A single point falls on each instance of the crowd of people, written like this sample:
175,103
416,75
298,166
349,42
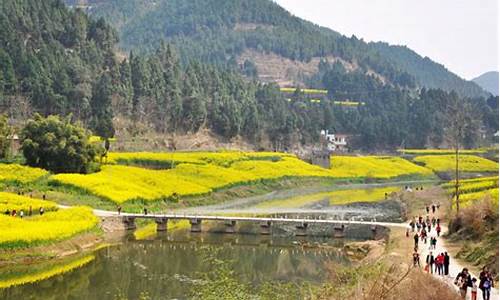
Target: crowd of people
439,264
20,213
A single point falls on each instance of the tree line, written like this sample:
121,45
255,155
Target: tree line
60,61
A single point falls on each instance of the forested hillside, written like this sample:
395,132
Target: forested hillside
488,81
55,60
50,57
218,32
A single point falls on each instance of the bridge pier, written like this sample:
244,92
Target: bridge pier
230,226
161,224
195,225
265,227
301,229
338,231
129,223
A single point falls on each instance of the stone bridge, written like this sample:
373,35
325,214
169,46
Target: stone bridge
264,223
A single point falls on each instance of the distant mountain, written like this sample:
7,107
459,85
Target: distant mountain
263,37
488,81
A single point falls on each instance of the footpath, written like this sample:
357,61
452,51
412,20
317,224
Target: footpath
455,266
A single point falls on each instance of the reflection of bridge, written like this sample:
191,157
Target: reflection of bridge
265,223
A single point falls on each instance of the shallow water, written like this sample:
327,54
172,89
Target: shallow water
172,265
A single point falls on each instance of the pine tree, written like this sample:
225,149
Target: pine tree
102,114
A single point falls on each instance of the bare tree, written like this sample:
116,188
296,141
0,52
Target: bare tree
461,120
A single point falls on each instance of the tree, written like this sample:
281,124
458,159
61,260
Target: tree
5,135
7,70
460,122
57,145
102,113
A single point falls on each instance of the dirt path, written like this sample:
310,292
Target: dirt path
455,266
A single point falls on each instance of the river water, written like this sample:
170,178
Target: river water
175,265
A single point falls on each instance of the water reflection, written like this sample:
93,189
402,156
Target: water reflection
170,265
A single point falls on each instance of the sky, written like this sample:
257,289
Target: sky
460,34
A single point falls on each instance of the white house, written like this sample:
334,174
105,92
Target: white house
335,142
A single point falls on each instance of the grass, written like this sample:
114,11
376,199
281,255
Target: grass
475,230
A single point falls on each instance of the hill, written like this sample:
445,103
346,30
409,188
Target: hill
232,32
488,81
56,60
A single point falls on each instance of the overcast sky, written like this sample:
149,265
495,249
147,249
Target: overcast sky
461,34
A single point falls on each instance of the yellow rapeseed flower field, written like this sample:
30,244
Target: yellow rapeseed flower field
467,163
197,173
374,167
469,198
474,189
442,151
223,158
9,201
22,174
122,183
473,185
52,226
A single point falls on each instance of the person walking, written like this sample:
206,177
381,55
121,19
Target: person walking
30,211
412,225
446,264
21,213
438,229
485,283
433,208
430,262
145,211
427,208
415,238
41,211
463,281
473,290
436,264
440,264
416,259
119,209
423,235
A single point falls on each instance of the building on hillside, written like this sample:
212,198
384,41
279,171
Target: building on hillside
335,142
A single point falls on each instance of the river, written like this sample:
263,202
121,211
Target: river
176,265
